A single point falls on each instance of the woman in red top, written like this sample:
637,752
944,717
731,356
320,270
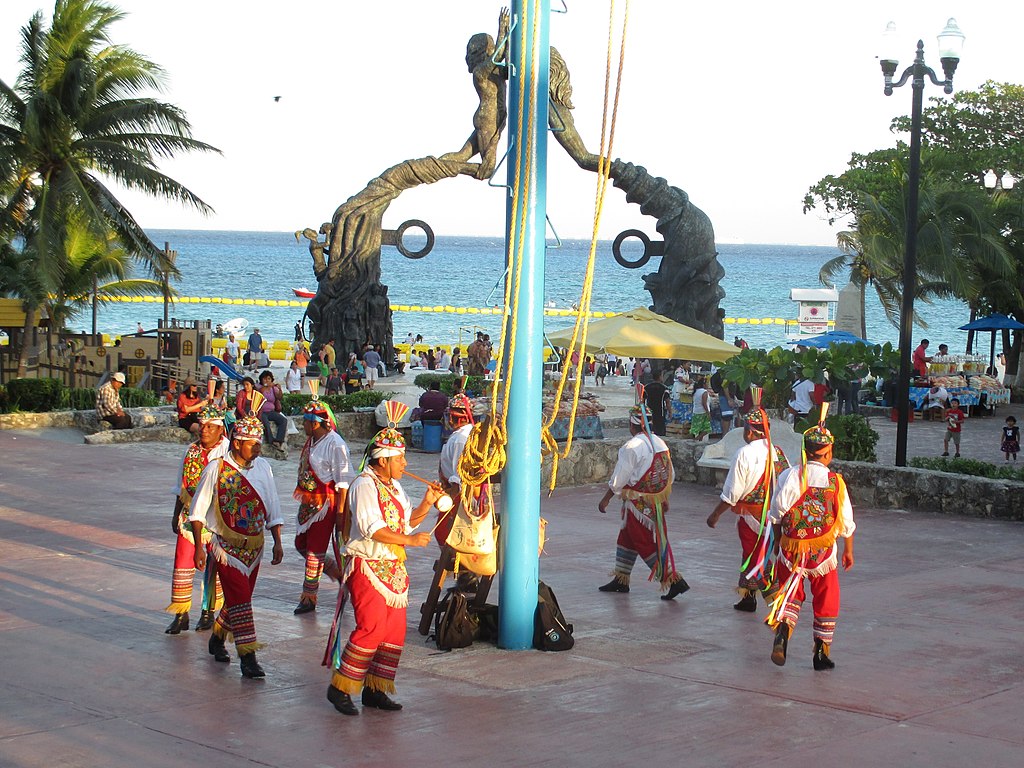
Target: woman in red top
189,405
244,397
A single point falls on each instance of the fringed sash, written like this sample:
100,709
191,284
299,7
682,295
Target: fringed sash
389,577
647,496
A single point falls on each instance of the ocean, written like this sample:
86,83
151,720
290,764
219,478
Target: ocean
468,272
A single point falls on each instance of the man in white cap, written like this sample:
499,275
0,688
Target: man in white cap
211,446
643,477
108,403
236,499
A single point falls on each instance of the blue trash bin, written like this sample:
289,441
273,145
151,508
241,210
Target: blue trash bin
432,436
417,434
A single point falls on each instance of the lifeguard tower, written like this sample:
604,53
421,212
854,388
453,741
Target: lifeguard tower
815,312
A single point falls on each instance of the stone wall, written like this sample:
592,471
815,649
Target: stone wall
591,461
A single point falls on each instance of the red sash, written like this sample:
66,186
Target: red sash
653,487
753,502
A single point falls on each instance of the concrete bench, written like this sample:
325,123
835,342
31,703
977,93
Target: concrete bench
721,454
90,423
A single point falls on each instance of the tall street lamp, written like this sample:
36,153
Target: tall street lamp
951,41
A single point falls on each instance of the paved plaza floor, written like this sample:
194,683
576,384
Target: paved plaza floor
929,667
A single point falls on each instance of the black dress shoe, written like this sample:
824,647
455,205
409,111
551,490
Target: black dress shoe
614,586
217,649
821,660
304,606
250,667
205,621
676,589
341,701
180,622
747,603
781,644
379,700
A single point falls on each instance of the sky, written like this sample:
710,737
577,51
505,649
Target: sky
744,105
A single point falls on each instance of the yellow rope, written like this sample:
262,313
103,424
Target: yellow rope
485,449
578,341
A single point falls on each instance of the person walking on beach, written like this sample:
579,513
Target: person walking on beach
232,349
643,477
254,346
700,421
748,491
211,446
377,528
954,425
810,511
236,499
325,473
371,363
1010,445
656,397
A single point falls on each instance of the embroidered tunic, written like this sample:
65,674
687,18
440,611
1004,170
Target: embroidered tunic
643,476
376,505
324,467
237,505
192,465
744,487
812,520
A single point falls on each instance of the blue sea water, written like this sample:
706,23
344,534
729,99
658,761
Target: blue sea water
468,272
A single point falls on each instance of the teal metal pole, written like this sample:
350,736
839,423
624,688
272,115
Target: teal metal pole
520,487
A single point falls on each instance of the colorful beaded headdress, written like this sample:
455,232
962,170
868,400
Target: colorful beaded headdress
318,410
211,414
389,441
757,419
249,428
460,410
640,415
818,435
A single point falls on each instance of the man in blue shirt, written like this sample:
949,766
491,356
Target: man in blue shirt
371,359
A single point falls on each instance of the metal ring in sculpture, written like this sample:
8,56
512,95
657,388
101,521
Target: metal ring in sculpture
642,259
406,225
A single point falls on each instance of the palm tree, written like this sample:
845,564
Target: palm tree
959,245
74,121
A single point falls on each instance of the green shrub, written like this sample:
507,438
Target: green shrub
855,439
293,404
476,385
969,467
136,398
37,395
80,398
5,402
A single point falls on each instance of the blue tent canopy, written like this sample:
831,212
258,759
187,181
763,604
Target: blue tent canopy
995,322
832,337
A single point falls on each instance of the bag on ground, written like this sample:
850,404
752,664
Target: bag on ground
551,632
454,626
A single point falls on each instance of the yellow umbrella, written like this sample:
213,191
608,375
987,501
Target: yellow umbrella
642,333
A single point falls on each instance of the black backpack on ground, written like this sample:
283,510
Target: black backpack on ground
551,632
454,625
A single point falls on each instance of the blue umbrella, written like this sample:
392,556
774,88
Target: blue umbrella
832,337
994,322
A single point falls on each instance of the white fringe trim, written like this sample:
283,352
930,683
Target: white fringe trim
820,570
322,514
391,598
223,558
643,519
